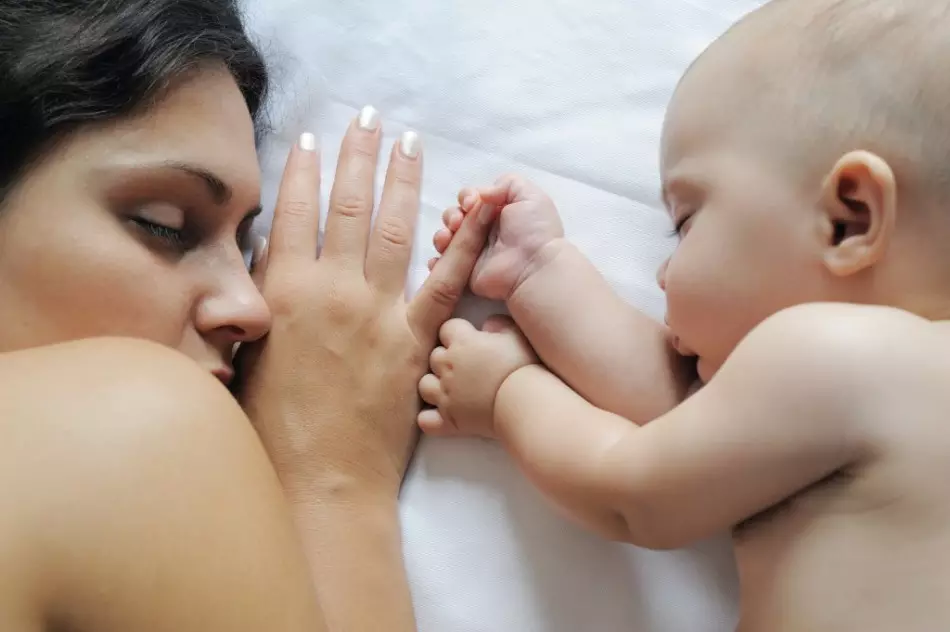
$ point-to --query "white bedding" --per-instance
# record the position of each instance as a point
(572, 94)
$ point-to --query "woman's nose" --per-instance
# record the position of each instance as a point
(236, 309)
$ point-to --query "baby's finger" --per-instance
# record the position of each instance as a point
(430, 389)
(499, 324)
(454, 330)
(452, 218)
(438, 360)
(468, 198)
(509, 189)
(432, 263)
(434, 424)
(442, 240)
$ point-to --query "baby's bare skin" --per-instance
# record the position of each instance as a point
(868, 549)
(809, 293)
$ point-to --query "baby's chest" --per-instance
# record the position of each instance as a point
(833, 494)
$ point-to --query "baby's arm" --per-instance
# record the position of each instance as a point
(780, 415)
(615, 356)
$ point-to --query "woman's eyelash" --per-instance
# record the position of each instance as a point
(171, 236)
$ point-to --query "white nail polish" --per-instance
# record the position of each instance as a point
(409, 144)
(369, 119)
(307, 142)
(260, 248)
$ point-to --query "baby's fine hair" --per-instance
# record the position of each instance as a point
(861, 75)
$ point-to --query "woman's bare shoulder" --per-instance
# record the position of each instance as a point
(90, 362)
(125, 467)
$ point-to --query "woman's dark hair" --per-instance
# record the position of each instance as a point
(68, 63)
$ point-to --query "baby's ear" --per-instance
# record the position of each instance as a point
(859, 200)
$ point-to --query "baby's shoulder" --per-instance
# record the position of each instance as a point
(870, 349)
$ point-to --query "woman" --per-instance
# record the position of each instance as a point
(135, 495)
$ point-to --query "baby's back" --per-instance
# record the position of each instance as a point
(867, 549)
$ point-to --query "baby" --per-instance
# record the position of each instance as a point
(804, 164)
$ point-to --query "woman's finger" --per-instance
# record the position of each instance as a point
(351, 199)
(258, 267)
(390, 246)
(436, 301)
(297, 214)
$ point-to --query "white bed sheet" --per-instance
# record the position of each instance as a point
(572, 94)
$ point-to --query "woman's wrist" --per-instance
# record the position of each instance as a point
(324, 455)
(333, 485)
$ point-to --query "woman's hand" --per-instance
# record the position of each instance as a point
(332, 389)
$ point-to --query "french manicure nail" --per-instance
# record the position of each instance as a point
(307, 142)
(260, 248)
(409, 144)
(369, 119)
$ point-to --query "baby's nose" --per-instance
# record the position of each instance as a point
(661, 275)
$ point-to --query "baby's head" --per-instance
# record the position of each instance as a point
(809, 149)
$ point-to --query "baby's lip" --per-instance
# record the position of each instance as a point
(682, 349)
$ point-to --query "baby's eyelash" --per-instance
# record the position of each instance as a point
(678, 226)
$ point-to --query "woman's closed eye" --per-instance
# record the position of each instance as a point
(163, 225)
(170, 238)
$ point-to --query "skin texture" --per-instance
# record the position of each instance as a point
(77, 264)
(148, 502)
(814, 302)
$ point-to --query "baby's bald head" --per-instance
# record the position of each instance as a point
(806, 157)
(819, 78)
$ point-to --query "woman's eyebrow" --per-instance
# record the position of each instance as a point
(218, 189)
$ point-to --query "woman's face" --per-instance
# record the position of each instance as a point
(140, 228)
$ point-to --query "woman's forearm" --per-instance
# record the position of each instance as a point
(352, 538)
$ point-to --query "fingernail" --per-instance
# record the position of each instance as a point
(260, 247)
(369, 119)
(307, 142)
(469, 201)
(409, 144)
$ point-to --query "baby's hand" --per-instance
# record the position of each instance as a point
(527, 222)
(467, 373)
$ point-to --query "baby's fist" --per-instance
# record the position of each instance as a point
(467, 373)
(527, 223)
